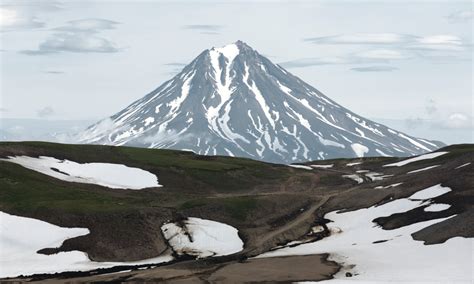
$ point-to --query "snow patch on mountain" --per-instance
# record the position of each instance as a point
(301, 167)
(202, 238)
(416, 159)
(462, 166)
(103, 174)
(430, 192)
(437, 207)
(423, 169)
(359, 150)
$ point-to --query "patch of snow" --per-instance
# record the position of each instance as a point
(345, 138)
(398, 259)
(462, 166)
(176, 103)
(412, 141)
(415, 159)
(305, 103)
(321, 155)
(157, 108)
(104, 174)
(376, 176)
(328, 142)
(353, 164)
(437, 207)
(388, 186)
(364, 124)
(359, 149)
(224, 125)
(395, 147)
(361, 133)
(258, 96)
(229, 152)
(301, 167)
(21, 238)
(382, 153)
(427, 142)
(430, 192)
(149, 120)
(283, 88)
(202, 238)
(317, 229)
(323, 166)
(322, 97)
(423, 169)
(229, 51)
(354, 177)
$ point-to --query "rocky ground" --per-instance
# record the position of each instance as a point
(271, 205)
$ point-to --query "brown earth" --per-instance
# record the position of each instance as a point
(261, 270)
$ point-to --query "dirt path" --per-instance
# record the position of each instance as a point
(307, 217)
(265, 270)
(302, 221)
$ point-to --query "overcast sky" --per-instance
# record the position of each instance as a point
(395, 60)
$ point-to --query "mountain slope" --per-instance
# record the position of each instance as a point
(234, 101)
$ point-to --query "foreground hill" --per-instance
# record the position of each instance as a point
(281, 214)
(232, 101)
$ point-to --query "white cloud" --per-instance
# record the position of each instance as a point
(384, 54)
(89, 25)
(461, 16)
(7, 17)
(374, 56)
(77, 42)
(204, 29)
(12, 19)
(374, 69)
(441, 39)
(399, 41)
(23, 14)
(439, 42)
(361, 38)
(383, 48)
(457, 121)
(79, 36)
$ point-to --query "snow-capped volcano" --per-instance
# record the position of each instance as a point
(234, 101)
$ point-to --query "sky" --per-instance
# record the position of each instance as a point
(403, 63)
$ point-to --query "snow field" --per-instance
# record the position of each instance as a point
(202, 238)
(103, 174)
